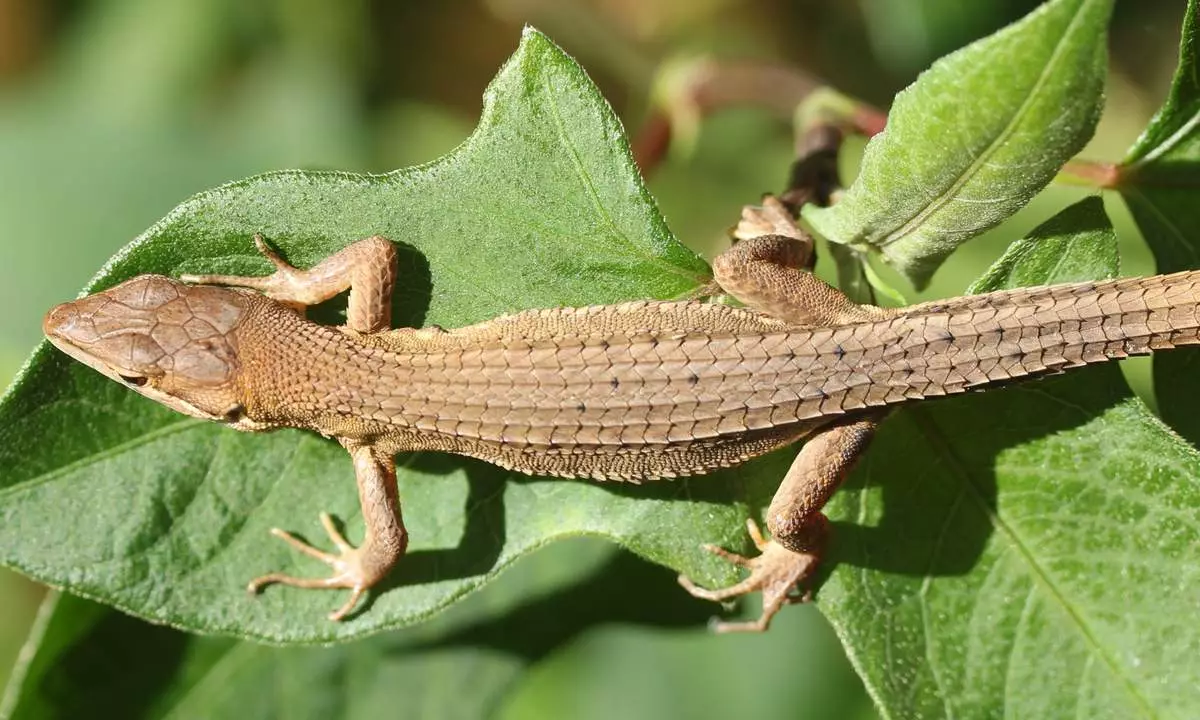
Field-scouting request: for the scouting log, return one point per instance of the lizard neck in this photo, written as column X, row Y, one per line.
column 296, row 373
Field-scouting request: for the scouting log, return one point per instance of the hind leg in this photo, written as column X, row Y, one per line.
column 794, row 519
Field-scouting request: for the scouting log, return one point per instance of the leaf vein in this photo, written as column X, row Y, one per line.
column 113, row 451
column 938, row 202
column 585, row 180
column 938, row 441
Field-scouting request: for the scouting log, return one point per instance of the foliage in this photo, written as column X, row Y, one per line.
column 1023, row 552
column 947, row 169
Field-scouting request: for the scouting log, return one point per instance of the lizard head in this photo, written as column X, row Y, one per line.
column 172, row 342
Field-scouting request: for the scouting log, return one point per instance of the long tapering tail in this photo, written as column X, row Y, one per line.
column 950, row 346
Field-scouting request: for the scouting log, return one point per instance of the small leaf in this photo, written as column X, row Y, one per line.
column 1076, row 244
column 110, row 496
column 1026, row 552
column 975, row 137
column 1172, row 132
column 1160, row 181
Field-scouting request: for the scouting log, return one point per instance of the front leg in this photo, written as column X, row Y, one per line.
column 368, row 268
column 795, row 521
column 768, row 274
column 386, row 539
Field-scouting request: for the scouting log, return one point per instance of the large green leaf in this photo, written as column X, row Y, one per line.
column 112, row 497
column 1160, row 180
column 1027, row 552
column 975, row 137
column 95, row 662
column 472, row 661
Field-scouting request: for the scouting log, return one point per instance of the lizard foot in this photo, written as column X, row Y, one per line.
column 348, row 571
column 776, row 572
column 288, row 285
column 770, row 218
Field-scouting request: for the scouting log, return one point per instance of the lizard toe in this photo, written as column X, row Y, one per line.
column 347, row 564
column 777, row 573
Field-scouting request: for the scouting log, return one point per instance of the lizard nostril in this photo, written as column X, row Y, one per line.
column 58, row 319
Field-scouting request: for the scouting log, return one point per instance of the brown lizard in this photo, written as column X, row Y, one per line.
column 634, row 391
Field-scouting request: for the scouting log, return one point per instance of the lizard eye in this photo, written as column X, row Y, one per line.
column 134, row 380
column 235, row 413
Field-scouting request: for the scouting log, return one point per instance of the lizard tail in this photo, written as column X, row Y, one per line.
column 1093, row 322
column 1001, row 336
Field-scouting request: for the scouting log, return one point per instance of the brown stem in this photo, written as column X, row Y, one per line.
column 699, row 88
column 650, row 144
column 1102, row 175
column 814, row 173
column 868, row 120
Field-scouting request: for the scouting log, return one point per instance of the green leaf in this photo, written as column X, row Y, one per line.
column 485, row 657
column 91, row 661
column 1076, row 244
column 1171, row 133
column 975, row 137
column 112, row 497
column 1027, row 552
column 1159, row 181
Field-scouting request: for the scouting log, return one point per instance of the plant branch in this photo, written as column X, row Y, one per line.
column 687, row 92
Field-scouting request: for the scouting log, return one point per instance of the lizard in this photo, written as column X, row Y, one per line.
column 636, row 391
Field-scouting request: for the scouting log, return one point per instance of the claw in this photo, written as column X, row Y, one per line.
column 776, row 573
column 260, row 244
column 756, row 535
column 770, row 218
column 739, row 560
column 346, row 564
column 287, row 285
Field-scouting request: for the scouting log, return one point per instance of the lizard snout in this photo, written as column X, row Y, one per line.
column 62, row 320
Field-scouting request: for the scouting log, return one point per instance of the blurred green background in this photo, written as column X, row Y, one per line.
column 113, row 111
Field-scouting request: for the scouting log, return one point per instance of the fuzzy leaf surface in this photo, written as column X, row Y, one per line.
column 975, row 137
column 1025, row 552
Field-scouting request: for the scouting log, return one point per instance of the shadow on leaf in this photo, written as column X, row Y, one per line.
column 936, row 465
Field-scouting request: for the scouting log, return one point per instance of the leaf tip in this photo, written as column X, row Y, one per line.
column 530, row 34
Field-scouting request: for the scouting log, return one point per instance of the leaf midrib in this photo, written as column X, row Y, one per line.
column 919, row 219
column 111, row 451
column 961, row 468
column 1167, row 145
column 585, row 181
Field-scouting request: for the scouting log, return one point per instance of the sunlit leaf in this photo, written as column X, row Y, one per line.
column 975, row 137
column 113, row 497
column 1028, row 552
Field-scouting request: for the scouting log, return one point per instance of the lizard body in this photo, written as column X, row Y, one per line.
column 633, row 391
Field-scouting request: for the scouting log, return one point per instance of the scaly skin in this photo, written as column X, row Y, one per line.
column 635, row 391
